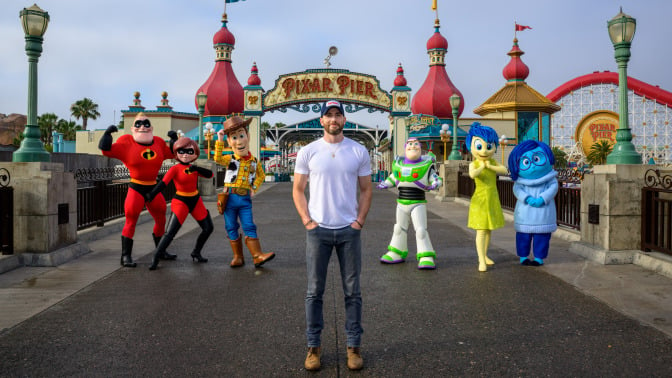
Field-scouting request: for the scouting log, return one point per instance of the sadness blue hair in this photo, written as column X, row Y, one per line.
column 487, row 133
column 522, row 148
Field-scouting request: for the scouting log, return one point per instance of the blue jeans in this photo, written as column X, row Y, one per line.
column 320, row 242
column 239, row 207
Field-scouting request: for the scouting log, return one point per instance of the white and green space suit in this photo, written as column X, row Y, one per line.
column 412, row 179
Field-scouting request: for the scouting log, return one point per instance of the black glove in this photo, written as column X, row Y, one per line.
column 173, row 138
column 200, row 170
column 105, row 142
column 158, row 188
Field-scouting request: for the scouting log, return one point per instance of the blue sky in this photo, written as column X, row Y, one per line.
column 106, row 50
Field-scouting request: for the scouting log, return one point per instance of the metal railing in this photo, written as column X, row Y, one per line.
column 101, row 193
column 657, row 212
column 567, row 201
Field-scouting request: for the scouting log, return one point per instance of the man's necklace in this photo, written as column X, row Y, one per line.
column 334, row 150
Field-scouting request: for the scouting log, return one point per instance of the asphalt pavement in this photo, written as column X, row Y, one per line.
column 570, row 317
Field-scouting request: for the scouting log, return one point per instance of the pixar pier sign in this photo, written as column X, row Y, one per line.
column 322, row 84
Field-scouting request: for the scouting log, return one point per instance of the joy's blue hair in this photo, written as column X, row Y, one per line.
column 523, row 147
column 487, row 133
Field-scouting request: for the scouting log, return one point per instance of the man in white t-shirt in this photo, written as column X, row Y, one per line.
column 337, row 167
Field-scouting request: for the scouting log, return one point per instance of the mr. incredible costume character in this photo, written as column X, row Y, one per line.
column 186, row 200
column 413, row 175
column 244, row 175
column 143, row 154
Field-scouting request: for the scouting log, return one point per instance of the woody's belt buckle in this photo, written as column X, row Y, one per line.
column 240, row 191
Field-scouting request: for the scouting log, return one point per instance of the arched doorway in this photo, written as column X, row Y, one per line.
column 305, row 92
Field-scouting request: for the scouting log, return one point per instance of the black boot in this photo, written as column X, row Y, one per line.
column 207, row 227
column 173, row 226
column 126, row 250
column 165, row 255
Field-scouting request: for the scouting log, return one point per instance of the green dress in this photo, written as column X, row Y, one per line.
column 485, row 211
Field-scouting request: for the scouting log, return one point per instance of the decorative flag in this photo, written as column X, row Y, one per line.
column 518, row 27
column 233, row 1
column 434, row 5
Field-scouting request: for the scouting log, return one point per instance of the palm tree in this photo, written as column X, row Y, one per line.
column 85, row 109
column 47, row 123
column 560, row 157
column 599, row 152
column 68, row 129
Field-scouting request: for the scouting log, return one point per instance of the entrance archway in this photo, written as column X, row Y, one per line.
column 305, row 92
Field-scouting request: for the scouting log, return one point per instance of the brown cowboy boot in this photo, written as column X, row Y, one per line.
column 237, row 248
column 258, row 257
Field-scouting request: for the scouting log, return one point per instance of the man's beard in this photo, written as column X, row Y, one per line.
column 331, row 131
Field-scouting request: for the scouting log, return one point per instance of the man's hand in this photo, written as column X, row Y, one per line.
column 172, row 135
column 111, row 129
column 382, row 185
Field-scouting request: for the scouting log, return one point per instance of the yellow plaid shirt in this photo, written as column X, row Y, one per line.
column 250, row 173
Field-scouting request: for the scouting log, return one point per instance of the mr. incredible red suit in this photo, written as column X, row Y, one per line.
column 142, row 153
column 186, row 201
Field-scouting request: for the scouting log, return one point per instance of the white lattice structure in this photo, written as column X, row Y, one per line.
column 649, row 108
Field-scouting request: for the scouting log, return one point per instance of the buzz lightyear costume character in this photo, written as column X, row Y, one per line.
column 413, row 176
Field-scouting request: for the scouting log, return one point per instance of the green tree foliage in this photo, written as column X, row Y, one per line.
column 560, row 158
column 85, row 109
column 68, row 129
column 47, row 124
column 599, row 152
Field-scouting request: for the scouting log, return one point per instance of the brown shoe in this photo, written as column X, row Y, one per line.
column 313, row 359
column 355, row 361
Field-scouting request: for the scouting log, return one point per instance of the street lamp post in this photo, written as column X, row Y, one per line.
column 445, row 138
column 35, row 22
column 455, row 101
column 201, row 100
column 209, row 133
column 621, row 31
column 503, row 140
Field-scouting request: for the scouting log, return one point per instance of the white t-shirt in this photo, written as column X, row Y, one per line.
column 333, row 171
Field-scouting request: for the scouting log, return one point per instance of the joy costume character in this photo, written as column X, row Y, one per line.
column 143, row 154
column 485, row 210
column 535, row 186
column 244, row 176
column 186, row 200
column 413, row 175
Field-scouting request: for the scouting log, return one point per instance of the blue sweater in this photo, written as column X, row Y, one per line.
column 536, row 220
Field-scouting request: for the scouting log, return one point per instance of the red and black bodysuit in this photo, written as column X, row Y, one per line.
column 186, row 201
column 143, row 162
column 142, row 153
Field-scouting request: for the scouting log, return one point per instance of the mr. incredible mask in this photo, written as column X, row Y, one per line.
column 142, row 129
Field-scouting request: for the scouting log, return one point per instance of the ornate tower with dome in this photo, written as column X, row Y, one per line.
column 529, row 110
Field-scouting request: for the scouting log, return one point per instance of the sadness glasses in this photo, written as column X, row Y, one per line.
column 142, row 122
column 186, row 151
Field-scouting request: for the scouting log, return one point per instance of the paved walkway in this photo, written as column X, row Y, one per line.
column 571, row 317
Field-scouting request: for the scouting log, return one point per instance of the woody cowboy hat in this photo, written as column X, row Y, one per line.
column 234, row 123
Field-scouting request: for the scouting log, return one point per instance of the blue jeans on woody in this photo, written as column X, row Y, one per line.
column 320, row 242
column 239, row 207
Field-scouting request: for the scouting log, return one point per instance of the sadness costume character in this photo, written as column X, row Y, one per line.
column 535, row 186
column 143, row 154
column 485, row 211
column 413, row 175
column 186, row 200
column 244, row 175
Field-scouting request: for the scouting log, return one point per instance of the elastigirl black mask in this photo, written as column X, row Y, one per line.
column 186, row 151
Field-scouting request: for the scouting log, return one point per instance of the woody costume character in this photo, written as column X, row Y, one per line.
column 143, row 154
column 186, row 200
column 244, row 175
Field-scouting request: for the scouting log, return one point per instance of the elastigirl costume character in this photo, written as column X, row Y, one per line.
column 244, row 175
column 186, row 200
column 413, row 175
column 143, row 154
